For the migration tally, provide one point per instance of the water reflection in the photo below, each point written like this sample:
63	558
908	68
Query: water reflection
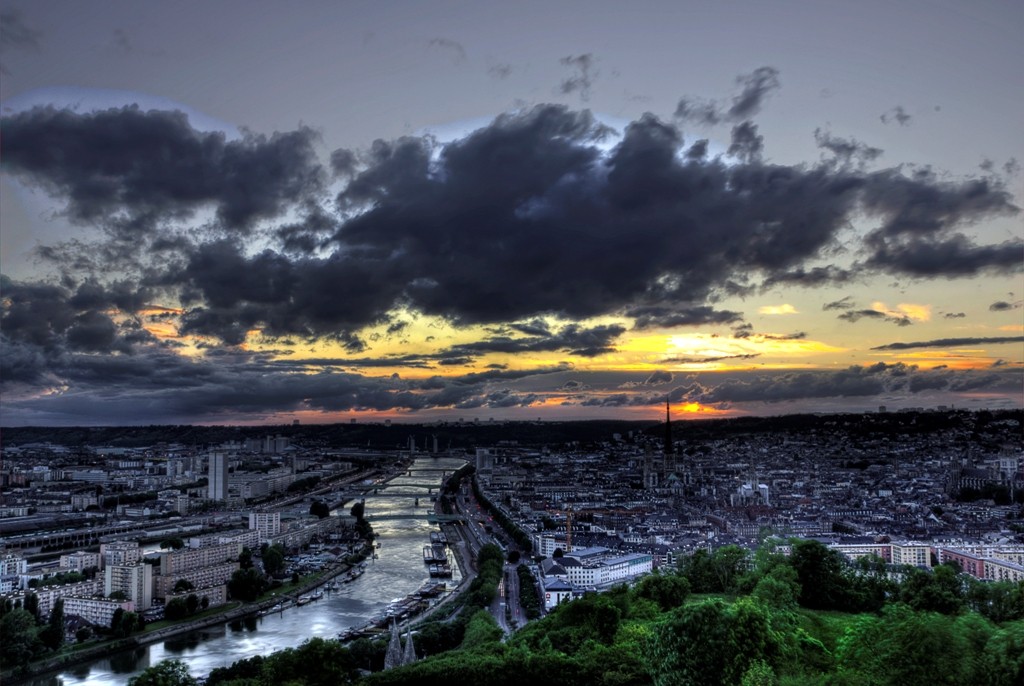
395	573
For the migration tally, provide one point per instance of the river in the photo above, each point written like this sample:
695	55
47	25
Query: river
397	572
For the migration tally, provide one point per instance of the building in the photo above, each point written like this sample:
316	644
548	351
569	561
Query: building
120	553
134	580
188	559
218	476
80	561
267	524
97	611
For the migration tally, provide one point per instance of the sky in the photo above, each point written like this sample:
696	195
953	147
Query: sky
255	212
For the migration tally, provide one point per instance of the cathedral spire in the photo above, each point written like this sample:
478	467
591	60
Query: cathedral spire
668	430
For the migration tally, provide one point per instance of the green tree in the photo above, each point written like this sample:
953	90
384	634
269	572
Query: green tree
481	630
907	648
246	584
192	603
710	644
31	605
245	558
1004	656
165	673
175	543
358	509
319	509
667	590
175	609
83	634
937	591
52	634
273	560
183	586
819	571
18	638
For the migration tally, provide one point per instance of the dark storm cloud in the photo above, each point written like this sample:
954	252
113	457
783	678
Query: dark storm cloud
844	303
755	88
746	145
1003	306
133	169
954	315
657	316
810	278
582	78
708	360
896	114
951	343
524	218
857	315
846	152
659	377
571	338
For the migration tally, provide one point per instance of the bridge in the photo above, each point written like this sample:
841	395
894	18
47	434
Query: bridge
431	517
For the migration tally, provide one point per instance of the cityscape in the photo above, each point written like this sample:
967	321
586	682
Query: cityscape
109	531
670	343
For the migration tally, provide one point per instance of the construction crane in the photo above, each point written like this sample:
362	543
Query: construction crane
568	529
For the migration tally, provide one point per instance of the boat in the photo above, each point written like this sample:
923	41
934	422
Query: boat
317	595
303	599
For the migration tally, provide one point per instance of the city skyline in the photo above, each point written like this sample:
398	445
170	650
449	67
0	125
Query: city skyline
245	213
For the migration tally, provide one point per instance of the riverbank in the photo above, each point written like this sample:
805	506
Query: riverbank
231	613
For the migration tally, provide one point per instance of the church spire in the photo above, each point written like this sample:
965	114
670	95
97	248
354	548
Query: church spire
668	430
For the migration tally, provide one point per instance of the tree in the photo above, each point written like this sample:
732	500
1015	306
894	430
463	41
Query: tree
819	571
118	595
246	584
192	603
52	635
245	558
273	560
558	554
710	643
320	509
31	605
174	543
358	510
18	639
165	673
183	586
83	634
667	590
175	609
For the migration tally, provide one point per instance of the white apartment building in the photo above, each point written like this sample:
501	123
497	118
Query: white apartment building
188	559
610	571
12	564
267	524
135	581
98	611
120	553
204	577
80	560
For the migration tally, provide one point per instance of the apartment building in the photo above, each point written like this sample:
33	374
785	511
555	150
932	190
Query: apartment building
134	580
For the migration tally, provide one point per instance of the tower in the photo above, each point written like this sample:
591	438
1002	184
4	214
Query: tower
668	432
218	476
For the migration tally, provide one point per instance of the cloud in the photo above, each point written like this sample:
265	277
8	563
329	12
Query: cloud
895	114
709	359
16	34
746	144
857	315
582	79
844	303
640	231
1003	306
954	315
777	309
950	343
755	88
102	164
453	48
846	152
499	71
571	338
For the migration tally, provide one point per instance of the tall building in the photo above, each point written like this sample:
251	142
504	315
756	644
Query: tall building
268	524
218	476
135	581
